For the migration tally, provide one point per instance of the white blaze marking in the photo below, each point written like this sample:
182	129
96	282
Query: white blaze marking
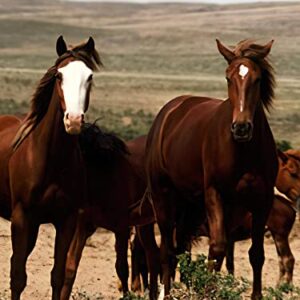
241	106
243	71
74	85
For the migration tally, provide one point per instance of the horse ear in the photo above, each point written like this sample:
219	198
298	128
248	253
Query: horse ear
266	49
227	53
61	46
282	156
90	45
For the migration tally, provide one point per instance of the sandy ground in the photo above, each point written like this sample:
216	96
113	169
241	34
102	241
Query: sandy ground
97	277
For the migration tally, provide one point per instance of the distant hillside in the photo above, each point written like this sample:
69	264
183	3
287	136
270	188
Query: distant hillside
151	52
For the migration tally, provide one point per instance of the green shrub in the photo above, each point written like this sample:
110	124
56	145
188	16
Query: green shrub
283	145
283	292
203	284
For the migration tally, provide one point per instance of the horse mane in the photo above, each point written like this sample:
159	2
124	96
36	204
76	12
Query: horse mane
100	148
43	93
247	48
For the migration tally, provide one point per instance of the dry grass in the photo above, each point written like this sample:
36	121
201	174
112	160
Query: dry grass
151	53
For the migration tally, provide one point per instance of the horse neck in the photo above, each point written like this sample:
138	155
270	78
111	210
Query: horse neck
49	137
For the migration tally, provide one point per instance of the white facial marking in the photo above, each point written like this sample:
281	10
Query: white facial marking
243	71
74	85
241	106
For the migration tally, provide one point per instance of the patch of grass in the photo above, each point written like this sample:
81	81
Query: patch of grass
83	295
203	284
283	145
283	292
11	107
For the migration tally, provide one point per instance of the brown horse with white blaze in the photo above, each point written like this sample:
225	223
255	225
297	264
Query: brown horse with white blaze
219	152
41	168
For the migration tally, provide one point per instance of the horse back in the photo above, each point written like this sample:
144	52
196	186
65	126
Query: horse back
174	141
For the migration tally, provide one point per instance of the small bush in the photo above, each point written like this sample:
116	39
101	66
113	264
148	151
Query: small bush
203	284
283	145
283	292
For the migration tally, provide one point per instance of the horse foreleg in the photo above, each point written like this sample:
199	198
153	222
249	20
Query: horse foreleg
24	234
82	232
286	258
230	256
215	218
64	235
138	265
256	252
121	247
147	237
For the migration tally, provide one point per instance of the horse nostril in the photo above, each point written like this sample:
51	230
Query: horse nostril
233	126
241	130
67	115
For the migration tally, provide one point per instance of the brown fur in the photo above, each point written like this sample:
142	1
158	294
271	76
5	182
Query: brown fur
208	151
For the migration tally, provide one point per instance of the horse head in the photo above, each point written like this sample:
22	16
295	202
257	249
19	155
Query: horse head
250	79
74	78
288	178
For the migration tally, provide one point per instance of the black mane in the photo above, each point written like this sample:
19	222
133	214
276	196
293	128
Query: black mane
99	147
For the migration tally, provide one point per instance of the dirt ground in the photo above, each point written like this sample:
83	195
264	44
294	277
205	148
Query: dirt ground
97	278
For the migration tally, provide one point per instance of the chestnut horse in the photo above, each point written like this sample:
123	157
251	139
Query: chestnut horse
115	185
281	218
219	152
41	168
280	222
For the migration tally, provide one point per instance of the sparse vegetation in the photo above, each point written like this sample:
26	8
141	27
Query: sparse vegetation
283	145
202	284
127	124
283	292
83	295
152	54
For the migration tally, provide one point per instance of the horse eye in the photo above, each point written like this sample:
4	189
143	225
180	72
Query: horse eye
90	77
294	175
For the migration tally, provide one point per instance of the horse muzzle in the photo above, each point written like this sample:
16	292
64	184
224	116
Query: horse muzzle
242	132
73	123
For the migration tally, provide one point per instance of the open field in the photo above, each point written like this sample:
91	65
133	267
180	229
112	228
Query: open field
151	53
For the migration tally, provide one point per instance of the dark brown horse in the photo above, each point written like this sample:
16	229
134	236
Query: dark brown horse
41	168
281	218
116	184
218	152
